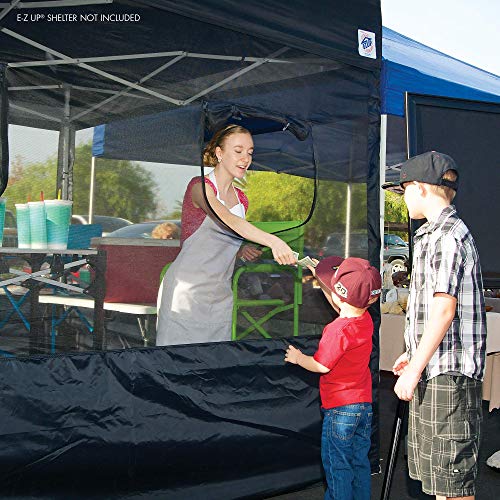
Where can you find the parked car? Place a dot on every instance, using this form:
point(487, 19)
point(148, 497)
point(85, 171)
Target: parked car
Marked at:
point(335, 245)
point(107, 222)
point(394, 240)
point(396, 250)
point(139, 230)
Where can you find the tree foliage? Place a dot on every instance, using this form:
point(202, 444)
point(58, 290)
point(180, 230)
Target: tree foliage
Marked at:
point(285, 197)
point(395, 208)
point(122, 188)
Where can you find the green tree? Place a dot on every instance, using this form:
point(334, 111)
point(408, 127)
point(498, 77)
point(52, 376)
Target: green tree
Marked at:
point(395, 208)
point(285, 197)
point(122, 188)
point(395, 211)
point(27, 181)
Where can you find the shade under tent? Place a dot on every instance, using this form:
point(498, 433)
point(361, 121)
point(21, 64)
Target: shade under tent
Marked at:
point(176, 58)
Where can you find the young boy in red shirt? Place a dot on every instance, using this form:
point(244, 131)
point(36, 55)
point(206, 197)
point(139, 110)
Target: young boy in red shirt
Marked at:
point(343, 355)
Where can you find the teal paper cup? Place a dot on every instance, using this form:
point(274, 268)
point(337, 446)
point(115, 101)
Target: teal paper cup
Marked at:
point(23, 225)
point(3, 201)
point(38, 224)
point(58, 219)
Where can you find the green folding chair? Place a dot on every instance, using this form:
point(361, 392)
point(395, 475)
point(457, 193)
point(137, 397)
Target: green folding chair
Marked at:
point(164, 270)
point(241, 306)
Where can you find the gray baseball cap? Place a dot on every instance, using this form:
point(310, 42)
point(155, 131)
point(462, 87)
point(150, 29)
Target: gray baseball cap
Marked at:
point(427, 167)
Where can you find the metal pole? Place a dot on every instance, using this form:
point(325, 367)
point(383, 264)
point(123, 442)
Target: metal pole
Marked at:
point(63, 160)
point(383, 161)
point(347, 251)
point(71, 160)
point(393, 450)
point(91, 194)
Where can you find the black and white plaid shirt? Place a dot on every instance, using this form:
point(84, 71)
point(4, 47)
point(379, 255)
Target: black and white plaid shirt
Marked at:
point(445, 260)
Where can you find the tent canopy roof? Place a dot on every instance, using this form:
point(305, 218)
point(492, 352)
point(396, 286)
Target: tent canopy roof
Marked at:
point(189, 50)
point(409, 66)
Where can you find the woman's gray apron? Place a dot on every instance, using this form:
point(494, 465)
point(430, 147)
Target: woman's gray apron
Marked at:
point(195, 299)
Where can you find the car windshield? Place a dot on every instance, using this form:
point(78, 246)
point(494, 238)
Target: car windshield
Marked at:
point(134, 231)
point(393, 239)
point(358, 244)
point(110, 223)
point(140, 230)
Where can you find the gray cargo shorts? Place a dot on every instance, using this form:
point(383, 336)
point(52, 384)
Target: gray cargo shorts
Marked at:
point(443, 434)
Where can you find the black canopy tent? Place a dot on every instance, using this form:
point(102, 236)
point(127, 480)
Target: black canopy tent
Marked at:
point(218, 59)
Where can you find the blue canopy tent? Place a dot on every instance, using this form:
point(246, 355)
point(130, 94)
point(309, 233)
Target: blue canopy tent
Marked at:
point(464, 98)
point(409, 66)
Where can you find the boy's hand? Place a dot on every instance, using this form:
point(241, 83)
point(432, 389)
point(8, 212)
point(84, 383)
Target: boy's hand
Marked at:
point(292, 355)
point(408, 380)
point(400, 364)
point(312, 269)
point(405, 386)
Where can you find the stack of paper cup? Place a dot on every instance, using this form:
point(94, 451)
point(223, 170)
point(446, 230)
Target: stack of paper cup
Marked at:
point(3, 201)
point(58, 219)
point(23, 225)
point(38, 224)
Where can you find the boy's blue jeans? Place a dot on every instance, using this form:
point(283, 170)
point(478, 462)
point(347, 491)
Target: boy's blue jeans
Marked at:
point(345, 442)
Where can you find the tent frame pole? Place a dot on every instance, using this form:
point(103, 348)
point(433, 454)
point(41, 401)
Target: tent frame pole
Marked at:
point(56, 3)
point(126, 90)
point(382, 167)
point(90, 68)
point(76, 87)
point(348, 222)
point(35, 113)
point(7, 7)
point(64, 59)
point(236, 75)
point(347, 249)
point(91, 192)
point(66, 151)
point(148, 55)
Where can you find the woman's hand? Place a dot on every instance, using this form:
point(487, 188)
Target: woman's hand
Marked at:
point(292, 355)
point(282, 253)
point(249, 253)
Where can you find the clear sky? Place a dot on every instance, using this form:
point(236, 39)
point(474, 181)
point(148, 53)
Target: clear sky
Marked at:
point(465, 29)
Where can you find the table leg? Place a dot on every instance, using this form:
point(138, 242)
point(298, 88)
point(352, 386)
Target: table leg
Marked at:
point(98, 263)
point(36, 335)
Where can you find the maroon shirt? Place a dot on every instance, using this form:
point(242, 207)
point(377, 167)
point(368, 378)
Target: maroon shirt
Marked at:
point(193, 217)
point(345, 348)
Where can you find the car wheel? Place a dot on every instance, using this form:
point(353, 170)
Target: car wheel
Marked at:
point(397, 265)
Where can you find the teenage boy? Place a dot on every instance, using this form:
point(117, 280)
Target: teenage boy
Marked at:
point(445, 334)
point(342, 358)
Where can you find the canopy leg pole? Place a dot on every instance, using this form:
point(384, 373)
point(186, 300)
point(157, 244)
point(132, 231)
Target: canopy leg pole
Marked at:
point(91, 193)
point(347, 251)
point(66, 151)
point(382, 166)
point(401, 412)
point(347, 248)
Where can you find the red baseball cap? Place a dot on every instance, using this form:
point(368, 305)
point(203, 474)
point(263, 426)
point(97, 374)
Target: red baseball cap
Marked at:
point(353, 280)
